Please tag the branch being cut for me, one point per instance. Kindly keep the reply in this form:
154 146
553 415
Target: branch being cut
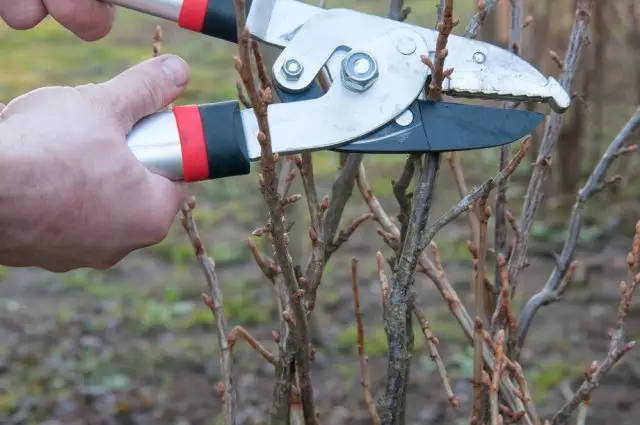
435 272
215 303
551 134
557 282
618 346
398 314
444 29
296 353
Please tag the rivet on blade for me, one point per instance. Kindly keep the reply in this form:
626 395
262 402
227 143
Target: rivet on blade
479 57
405 118
406 45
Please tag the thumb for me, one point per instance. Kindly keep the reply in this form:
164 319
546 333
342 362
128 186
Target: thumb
145 88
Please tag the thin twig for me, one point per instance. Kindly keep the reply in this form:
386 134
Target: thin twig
484 7
618 346
215 303
469 200
444 29
432 344
557 281
478 343
542 166
264 352
364 368
497 376
384 281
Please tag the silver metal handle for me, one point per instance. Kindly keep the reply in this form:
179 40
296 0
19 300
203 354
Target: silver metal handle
155 142
165 9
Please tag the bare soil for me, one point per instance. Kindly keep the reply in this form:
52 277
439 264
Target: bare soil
135 345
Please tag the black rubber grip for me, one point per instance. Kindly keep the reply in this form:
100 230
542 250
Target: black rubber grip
225 139
220 20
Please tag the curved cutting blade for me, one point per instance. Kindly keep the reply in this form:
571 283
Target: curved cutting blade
455 126
446 127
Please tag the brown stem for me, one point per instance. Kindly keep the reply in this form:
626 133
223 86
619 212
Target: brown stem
557 281
297 341
214 301
497 376
552 131
617 348
397 315
432 344
478 343
264 352
364 368
444 29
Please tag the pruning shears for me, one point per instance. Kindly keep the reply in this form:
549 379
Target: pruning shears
375 102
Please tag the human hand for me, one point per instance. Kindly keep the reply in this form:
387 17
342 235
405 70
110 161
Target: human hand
90 20
72 194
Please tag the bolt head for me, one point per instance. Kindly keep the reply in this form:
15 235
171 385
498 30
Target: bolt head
359 71
292 69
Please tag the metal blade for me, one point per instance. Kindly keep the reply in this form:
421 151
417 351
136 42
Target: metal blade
275 22
441 126
455 126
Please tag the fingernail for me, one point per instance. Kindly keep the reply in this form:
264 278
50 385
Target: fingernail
177 69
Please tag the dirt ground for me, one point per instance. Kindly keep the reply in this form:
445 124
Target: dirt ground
135 345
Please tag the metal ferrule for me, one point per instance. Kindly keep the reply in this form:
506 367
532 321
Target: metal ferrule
155 142
165 9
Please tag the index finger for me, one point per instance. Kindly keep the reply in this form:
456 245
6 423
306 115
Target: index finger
90 20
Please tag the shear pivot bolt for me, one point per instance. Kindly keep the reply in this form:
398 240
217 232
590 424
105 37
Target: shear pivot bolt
479 57
406 46
359 71
292 69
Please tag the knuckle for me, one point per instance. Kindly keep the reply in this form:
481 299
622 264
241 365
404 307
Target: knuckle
24 20
86 24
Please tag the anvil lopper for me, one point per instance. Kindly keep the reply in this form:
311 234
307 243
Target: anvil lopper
375 102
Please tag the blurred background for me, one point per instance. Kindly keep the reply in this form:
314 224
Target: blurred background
135 344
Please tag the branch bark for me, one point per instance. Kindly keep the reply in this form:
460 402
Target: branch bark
296 354
542 167
215 303
557 281
618 346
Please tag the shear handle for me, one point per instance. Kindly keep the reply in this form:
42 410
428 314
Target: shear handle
215 18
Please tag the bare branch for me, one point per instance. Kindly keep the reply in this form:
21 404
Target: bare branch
444 29
432 344
437 276
215 303
469 200
552 132
618 346
297 342
478 343
557 282
484 7
496 377
264 352
364 368
398 315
